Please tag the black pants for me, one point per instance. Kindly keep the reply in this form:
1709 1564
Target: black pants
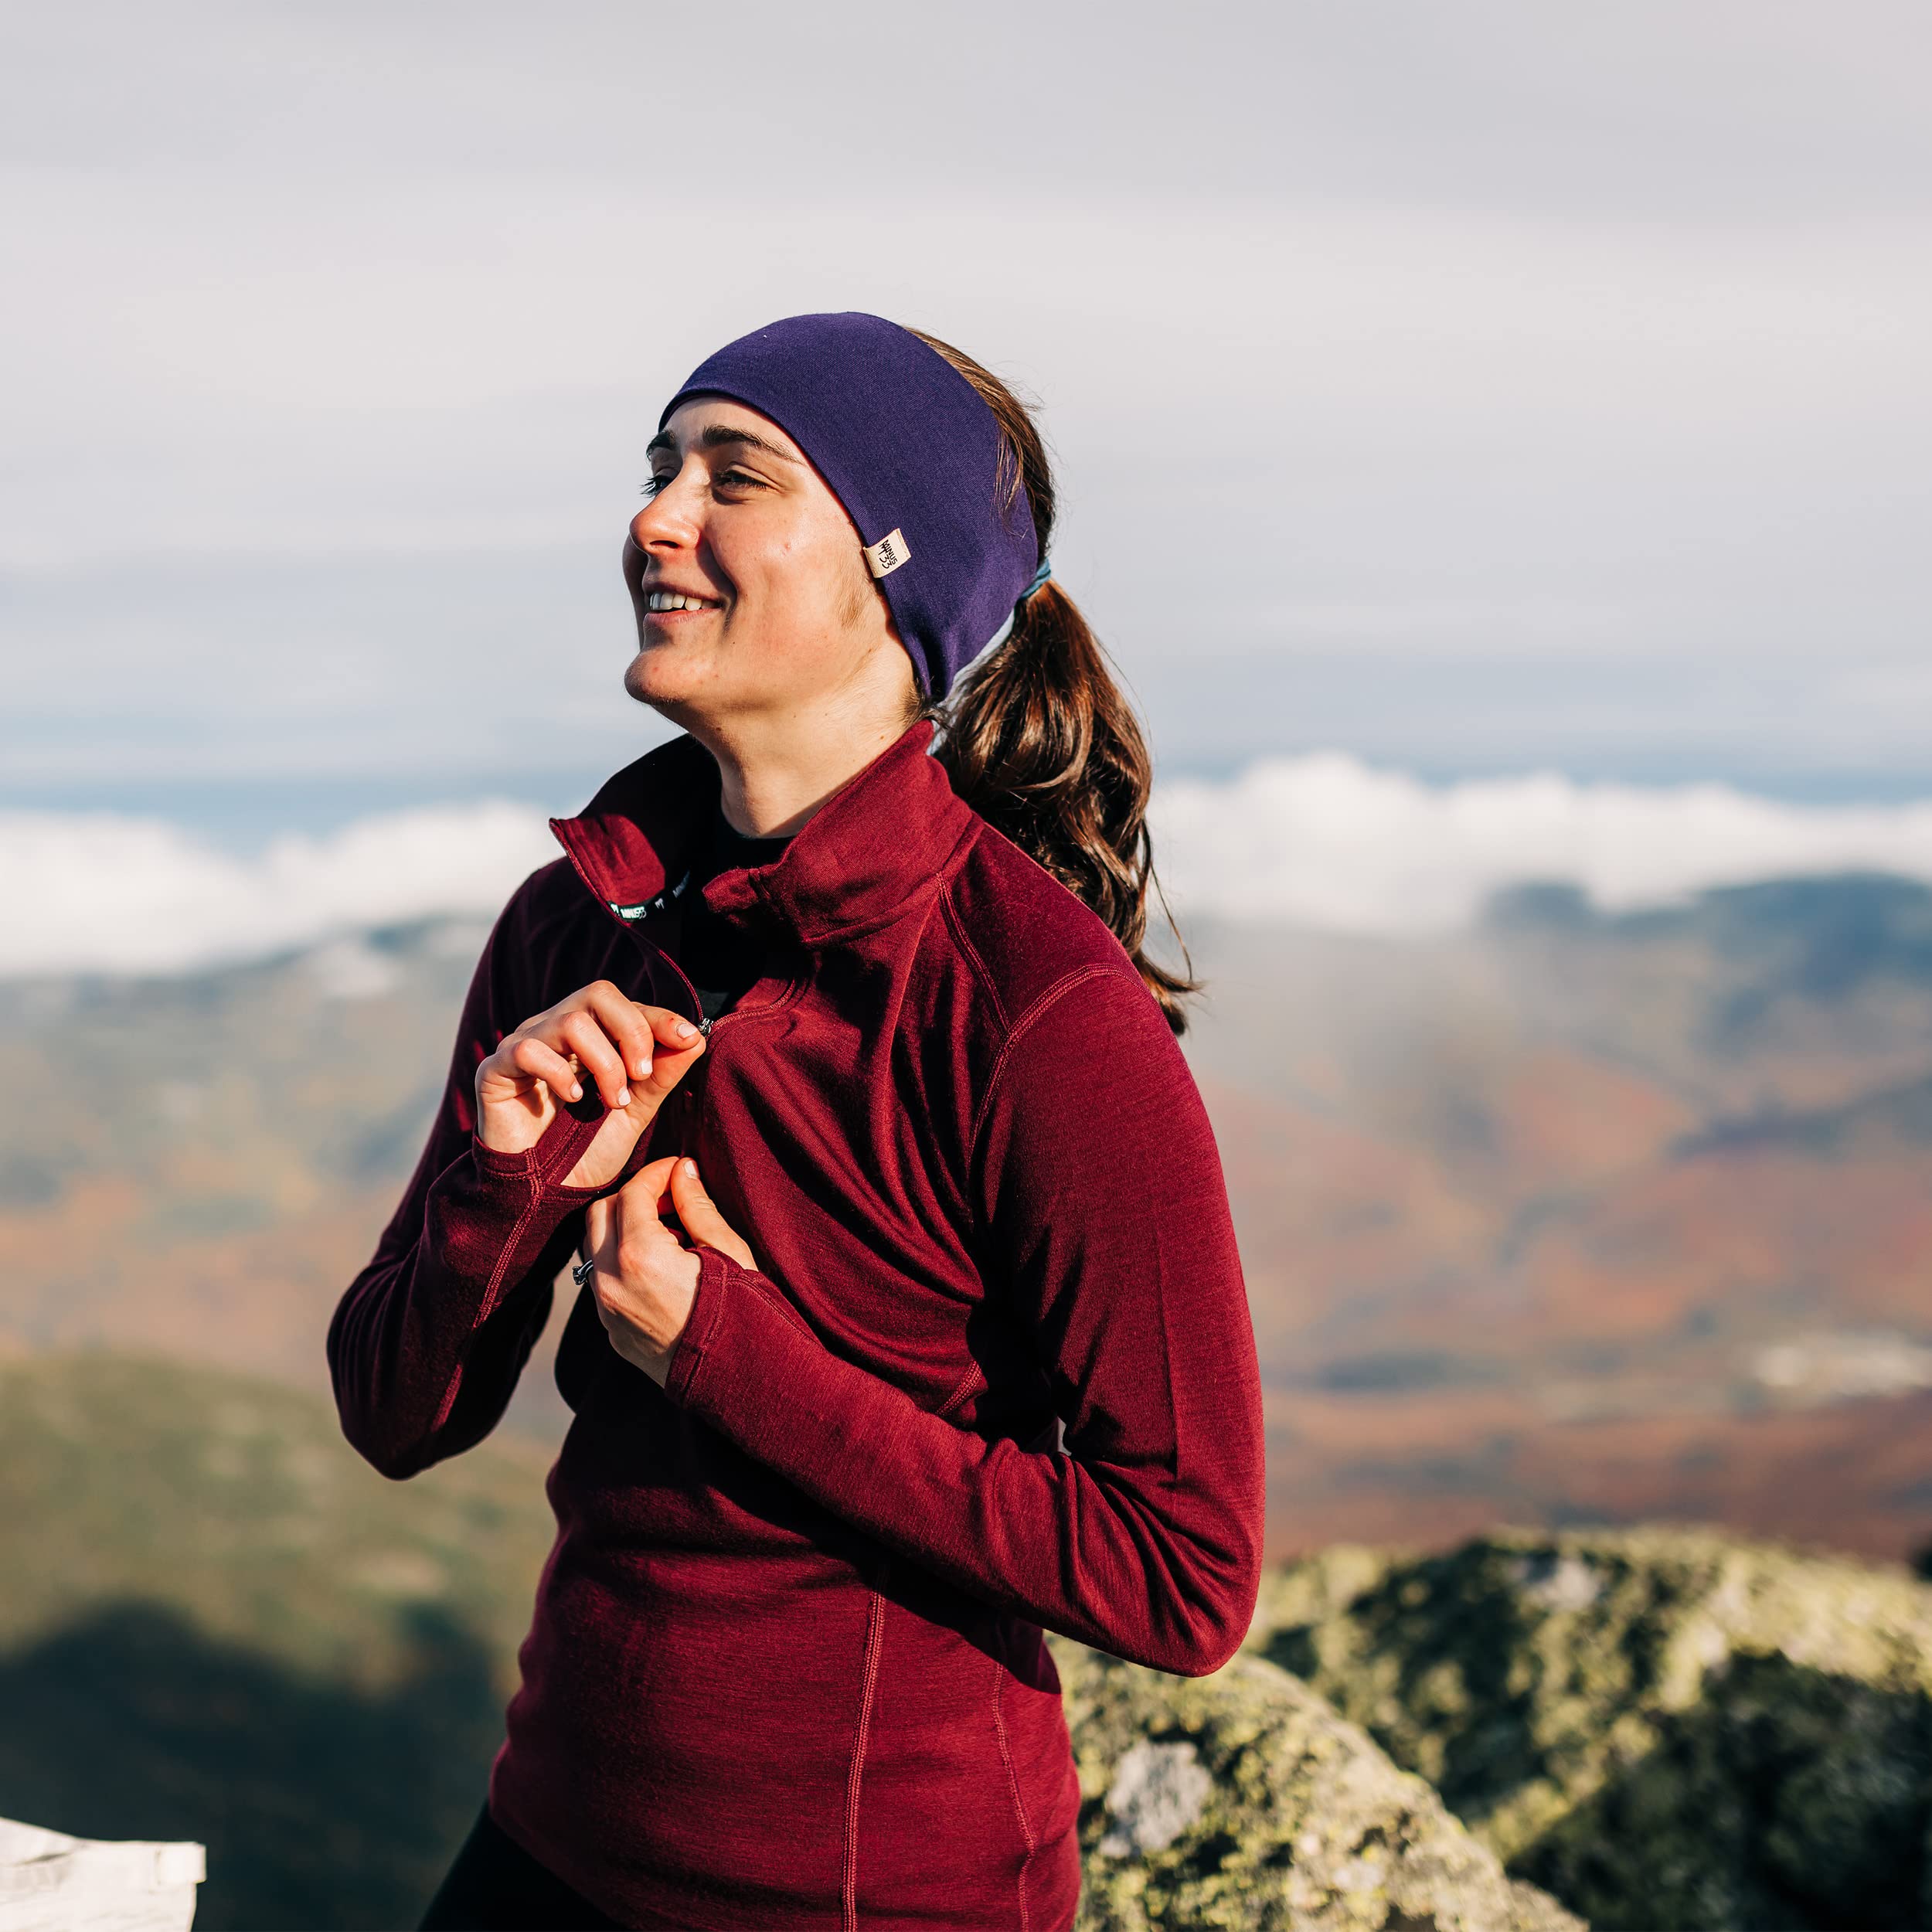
495 1886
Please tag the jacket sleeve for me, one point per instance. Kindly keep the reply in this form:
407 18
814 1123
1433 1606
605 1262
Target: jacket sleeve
1106 1216
426 1343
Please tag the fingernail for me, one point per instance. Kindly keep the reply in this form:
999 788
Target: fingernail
644 1069
691 1167
577 1090
685 1029
623 1096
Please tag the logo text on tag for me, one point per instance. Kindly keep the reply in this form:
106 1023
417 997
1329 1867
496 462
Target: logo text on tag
885 557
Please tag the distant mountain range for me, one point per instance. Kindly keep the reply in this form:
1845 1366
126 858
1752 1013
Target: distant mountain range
1586 1219
1564 1218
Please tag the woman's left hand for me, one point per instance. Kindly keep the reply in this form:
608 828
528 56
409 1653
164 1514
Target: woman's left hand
646 1278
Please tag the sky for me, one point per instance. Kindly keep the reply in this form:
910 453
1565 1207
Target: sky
1492 436
1469 388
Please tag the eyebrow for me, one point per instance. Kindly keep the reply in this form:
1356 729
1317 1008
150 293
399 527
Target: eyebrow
716 436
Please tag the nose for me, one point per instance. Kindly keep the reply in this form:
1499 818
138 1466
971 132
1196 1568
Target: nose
664 523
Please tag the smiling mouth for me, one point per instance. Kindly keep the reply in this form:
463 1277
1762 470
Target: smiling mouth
664 603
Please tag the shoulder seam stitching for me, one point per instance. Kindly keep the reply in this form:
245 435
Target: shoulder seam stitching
1059 988
981 971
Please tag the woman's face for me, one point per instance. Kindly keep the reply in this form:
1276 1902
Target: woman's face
780 615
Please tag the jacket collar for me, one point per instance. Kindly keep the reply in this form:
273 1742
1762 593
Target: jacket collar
879 844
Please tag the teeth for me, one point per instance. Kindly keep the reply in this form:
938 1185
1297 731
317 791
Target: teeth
674 600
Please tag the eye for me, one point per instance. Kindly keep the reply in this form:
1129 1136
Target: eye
652 484
740 480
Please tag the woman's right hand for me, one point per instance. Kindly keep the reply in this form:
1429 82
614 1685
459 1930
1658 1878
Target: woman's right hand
633 1054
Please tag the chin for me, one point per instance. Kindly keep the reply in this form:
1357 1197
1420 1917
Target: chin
649 679
676 689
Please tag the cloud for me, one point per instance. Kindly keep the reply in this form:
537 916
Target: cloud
101 892
1323 841
1326 840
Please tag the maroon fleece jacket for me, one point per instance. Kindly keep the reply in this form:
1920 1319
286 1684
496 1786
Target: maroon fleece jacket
995 1371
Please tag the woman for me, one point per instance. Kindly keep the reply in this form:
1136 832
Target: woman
911 1321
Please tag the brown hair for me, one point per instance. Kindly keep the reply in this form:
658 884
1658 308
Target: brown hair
1040 741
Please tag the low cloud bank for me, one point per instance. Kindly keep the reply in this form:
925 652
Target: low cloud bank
100 892
1321 840
1328 842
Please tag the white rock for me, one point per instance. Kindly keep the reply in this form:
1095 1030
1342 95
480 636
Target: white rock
51 1882
1158 1792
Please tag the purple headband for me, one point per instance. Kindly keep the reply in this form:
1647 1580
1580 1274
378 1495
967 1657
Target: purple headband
912 450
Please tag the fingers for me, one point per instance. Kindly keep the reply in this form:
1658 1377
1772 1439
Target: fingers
625 1020
582 1033
643 1194
671 1066
635 1028
670 1043
673 1029
614 1041
637 1228
699 1214
530 1057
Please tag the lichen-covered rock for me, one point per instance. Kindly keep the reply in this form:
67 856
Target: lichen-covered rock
1241 1801
1664 1728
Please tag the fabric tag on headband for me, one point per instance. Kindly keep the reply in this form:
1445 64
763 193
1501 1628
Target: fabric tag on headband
885 557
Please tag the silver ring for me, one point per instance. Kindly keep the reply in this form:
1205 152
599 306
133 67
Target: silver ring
582 1272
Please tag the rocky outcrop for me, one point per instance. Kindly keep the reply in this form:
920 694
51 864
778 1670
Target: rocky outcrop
1662 1728
1241 1800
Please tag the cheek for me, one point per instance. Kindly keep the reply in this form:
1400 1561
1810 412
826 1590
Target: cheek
797 589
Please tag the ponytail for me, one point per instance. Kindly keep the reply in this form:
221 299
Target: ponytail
1040 741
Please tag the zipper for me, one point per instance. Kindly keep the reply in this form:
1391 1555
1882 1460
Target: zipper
690 1096
696 1013
704 1025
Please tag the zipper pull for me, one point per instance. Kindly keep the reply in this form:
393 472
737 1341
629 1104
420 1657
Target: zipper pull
704 1027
